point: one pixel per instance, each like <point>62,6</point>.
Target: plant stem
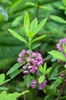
<point>25,94</point>
<point>29,43</point>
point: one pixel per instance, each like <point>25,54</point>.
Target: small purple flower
<point>33,69</point>
<point>19,60</point>
<point>62,75</point>
<point>42,85</point>
<point>61,45</point>
<point>25,72</point>
<point>33,83</point>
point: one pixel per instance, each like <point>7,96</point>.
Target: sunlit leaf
<point>58,19</point>
<point>15,34</point>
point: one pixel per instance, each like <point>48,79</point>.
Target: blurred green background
<point>11,16</point>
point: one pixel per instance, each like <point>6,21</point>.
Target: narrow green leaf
<point>45,8</point>
<point>36,46</point>
<point>38,38</point>
<point>41,24</point>
<point>57,55</point>
<point>15,34</point>
<point>15,73</point>
<point>17,21</point>
<point>53,71</point>
<point>33,25</point>
<point>3,88</point>
<point>64,1</point>
<point>41,79</point>
<point>56,18</point>
<point>56,83</point>
<point>26,23</point>
<point>28,80</point>
<point>41,69</point>
<point>2,78</point>
<point>31,4</point>
<point>48,70</point>
<point>15,67</point>
<point>3,13</point>
<point>45,67</point>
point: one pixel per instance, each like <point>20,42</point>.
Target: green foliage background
<point>11,16</point>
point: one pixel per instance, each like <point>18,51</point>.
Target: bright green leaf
<point>41,24</point>
<point>3,88</point>
<point>38,38</point>
<point>34,25</point>
<point>41,79</point>
<point>64,1</point>
<point>15,67</point>
<point>36,46</point>
<point>26,23</point>
<point>2,78</point>
<point>57,55</point>
<point>30,34</point>
<point>58,19</point>
<point>15,34</point>
<point>41,69</point>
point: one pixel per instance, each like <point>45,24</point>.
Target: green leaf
<point>38,38</point>
<point>41,69</point>
<point>34,25</point>
<point>15,34</point>
<point>64,1</point>
<point>41,79</point>
<point>31,4</point>
<point>4,13</point>
<point>56,83</point>
<point>45,67</point>
<point>17,21</point>
<point>3,88</point>
<point>36,46</point>
<point>2,78</point>
<point>57,55</point>
<point>28,80</point>
<point>15,73</point>
<point>58,19</point>
<point>53,72</point>
<point>45,8</point>
<point>41,24</point>
<point>30,34</point>
<point>11,96</point>
<point>48,70</point>
<point>47,58</point>
<point>26,23</point>
<point>15,67</point>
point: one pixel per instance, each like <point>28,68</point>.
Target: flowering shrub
<point>36,73</point>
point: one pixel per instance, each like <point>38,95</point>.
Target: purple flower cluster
<point>61,46</point>
<point>34,84</point>
<point>30,61</point>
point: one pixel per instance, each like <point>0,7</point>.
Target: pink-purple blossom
<point>35,84</point>
<point>61,46</point>
<point>30,61</point>
<point>42,85</point>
